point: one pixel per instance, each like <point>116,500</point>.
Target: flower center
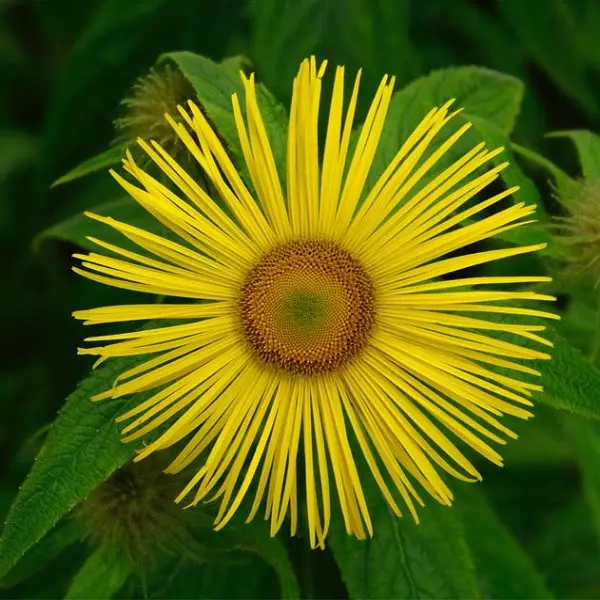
<point>307,307</point>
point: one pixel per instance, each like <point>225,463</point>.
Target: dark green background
<point>64,66</point>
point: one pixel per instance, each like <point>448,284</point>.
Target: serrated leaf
<point>503,568</point>
<point>588,149</point>
<point>570,382</point>
<point>214,85</point>
<point>403,559</point>
<point>82,449</point>
<point>76,229</point>
<point>102,161</point>
<point>483,94</point>
<point>490,125</point>
<point>103,574</point>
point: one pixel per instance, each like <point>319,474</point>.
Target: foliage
<point>527,76</point>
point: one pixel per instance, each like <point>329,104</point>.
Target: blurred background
<point>66,64</point>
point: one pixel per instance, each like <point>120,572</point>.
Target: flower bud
<point>153,95</point>
<point>578,232</point>
<point>133,512</point>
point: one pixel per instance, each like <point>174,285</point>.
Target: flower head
<point>153,95</point>
<point>132,512</point>
<point>321,321</point>
<point>579,231</point>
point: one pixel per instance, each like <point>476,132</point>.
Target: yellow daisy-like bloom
<point>321,320</point>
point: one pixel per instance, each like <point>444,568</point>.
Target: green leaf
<point>492,97</point>
<point>570,382</point>
<point>503,568</point>
<point>251,538</point>
<point>564,183</point>
<point>43,553</point>
<point>494,137</point>
<point>214,85</point>
<point>403,559</point>
<point>481,92</point>
<point>235,64</point>
<point>96,163</point>
<point>103,574</point>
<point>491,102</point>
<point>82,449</point>
<point>76,230</point>
<point>588,148</point>
<point>255,537</point>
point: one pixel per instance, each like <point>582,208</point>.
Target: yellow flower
<point>326,324</point>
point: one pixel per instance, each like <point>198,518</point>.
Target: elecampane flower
<point>321,320</point>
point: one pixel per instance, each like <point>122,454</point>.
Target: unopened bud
<point>133,512</point>
<point>152,96</point>
<point>578,232</point>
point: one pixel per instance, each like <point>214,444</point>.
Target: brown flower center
<point>307,307</point>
